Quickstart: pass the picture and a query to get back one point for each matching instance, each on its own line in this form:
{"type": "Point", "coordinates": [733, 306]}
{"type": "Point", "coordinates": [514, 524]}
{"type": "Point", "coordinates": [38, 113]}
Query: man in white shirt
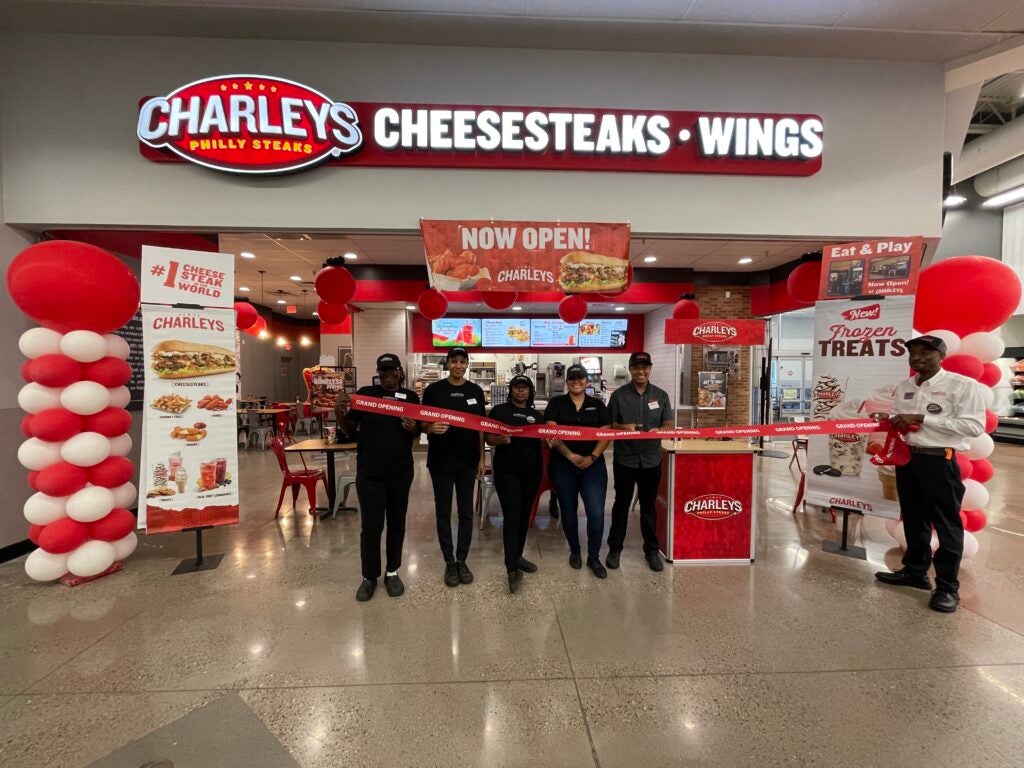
{"type": "Point", "coordinates": [949, 411]}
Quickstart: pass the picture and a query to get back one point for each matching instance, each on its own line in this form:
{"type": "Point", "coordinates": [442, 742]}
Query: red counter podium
{"type": "Point", "coordinates": [706, 507]}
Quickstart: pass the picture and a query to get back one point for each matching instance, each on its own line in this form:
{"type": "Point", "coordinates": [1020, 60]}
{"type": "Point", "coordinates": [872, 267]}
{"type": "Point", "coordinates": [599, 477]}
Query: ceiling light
{"type": "Point", "coordinates": [650, 259]}
{"type": "Point", "coordinates": [517, 309]}
{"type": "Point", "coordinates": [296, 278]}
{"type": "Point", "coordinates": [281, 341]}
{"type": "Point", "coordinates": [316, 314]}
{"type": "Point", "coordinates": [281, 301]}
{"type": "Point", "coordinates": [620, 309]}
{"type": "Point", "coordinates": [410, 306]}
{"type": "Point", "coordinates": [305, 341]}
{"type": "Point", "coordinates": [746, 260]}
{"type": "Point", "coordinates": [1012, 196]}
{"type": "Point", "coordinates": [350, 256]}
{"type": "Point", "coordinates": [264, 334]}
{"type": "Point", "coordinates": [243, 288]}
{"type": "Point", "coordinates": [953, 200]}
{"type": "Point", "coordinates": [247, 255]}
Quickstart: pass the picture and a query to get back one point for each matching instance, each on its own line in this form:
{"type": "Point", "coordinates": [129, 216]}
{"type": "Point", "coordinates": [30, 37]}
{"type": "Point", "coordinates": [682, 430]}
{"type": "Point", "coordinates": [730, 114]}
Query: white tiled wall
{"type": "Point", "coordinates": [374, 332]}
{"type": "Point", "coordinates": [663, 356]}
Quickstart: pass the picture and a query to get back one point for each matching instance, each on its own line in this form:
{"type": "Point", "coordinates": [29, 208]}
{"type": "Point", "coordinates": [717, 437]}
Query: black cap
{"type": "Point", "coordinates": [458, 352]}
{"type": "Point", "coordinates": [388, 361]}
{"type": "Point", "coordinates": [576, 371]}
{"type": "Point", "coordinates": [932, 342]}
{"type": "Point", "coordinates": [639, 358]}
{"type": "Point", "coordinates": [520, 380]}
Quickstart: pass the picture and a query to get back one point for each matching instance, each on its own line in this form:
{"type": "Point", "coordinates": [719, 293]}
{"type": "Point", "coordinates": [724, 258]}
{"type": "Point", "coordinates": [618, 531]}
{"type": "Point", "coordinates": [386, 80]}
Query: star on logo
{"type": "Point", "coordinates": [263, 87]}
{"type": "Point", "coordinates": [273, 89]}
{"type": "Point", "coordinates": [248, 86]}
{"type": "Point", "coordinates": [223, 87]}
{"type": "Point", "coordinates": [234, 86]}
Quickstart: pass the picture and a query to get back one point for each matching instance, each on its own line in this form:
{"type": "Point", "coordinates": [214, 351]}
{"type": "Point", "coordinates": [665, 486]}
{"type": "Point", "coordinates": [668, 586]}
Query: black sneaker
{"type": "Point", "coordinates": [903, 578]}
{"type": "Point", "coordinates": [946, 602]}
{"type": "Point", "coordinates": [526, 566]}
{"type": "Point", "coordinates": [515, 580]}
{"type": "Point", "coordinates": [594, 564]}
{"type": "Point", "coordinates": [366, 589]}
{"type": "Point", "coordinates": [612, 561]}
{"type": "Point", "coordinates": [465, 575]}
{"type": "Point", "coordinates": [451, 575]}
{"type": "Point", "coordinates": [575, 560]}
{"type": "Point", "coordinates": [394, 585]}
{"type": "Point", "coordinates": [654, 561]}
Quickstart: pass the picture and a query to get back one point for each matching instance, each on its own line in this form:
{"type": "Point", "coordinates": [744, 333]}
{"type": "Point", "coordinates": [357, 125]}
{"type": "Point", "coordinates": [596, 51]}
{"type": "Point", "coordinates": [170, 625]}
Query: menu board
{"type": "Point", "coordinates": [456, 332]}
{"type": "Point", "coordinates": [603, 333]}
{"type": "Point", "coordinates": [712, 390]}
{"type": "Point", "coordinates": [553, 333]}
{"type": "Point", "coordinates": [503, 332]}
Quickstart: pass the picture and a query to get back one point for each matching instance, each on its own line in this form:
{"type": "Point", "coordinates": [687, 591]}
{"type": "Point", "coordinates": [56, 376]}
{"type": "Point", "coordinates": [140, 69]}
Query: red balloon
{"type": "Point", "coordinates": [110, 422]}
{"type": "Point", "coordinates": [966, 294]}
{"type": "Point", "coordinates": [686, 309]}
{"type": "Point", "coordinates": [109, 371]}
{"type": "Point", "coordinates": [256, 328]}
{"type": "Point", "coordinates": [991, 375]}
{"type": "Point", "coordinates": [965, 365]}
{"type": "Point", "coordinates": [966, 467]}
{"type": "Point", "coordinates": [54, 370]}
{"type": "Point", "coordinates": [56, 424]}
{"type": "Point", "coordinates": [33, 533]}
{"type": "Point", "coordinates": [111, 472]}
{"type": "Point", "coordinates": [500, 299]}
{"type": "Point", "coordinates": [33, 477]}
{"type": "Point", "coordinates": [70, 286]}
{"type": "Point", "coordinates": [432, 304]}
{"type": "Point", "coordinates": [991, 422]}
{"type": "Point", "coordinates": [118, 524]}
{"type": "Point", "coordinates": [332, 314]}
{"type": "Point", "coordinates": [61, 479]}
{"type": "Point", "coordinates": [245, 315]}
{"type": "Point", "coordinates": [803, 283]}
{"type": "Point", "coordinates": [26, 426]}
{"type": "Point", "coordinates": [62, 536]}
{"type": "Point", "coordinates": [974, 520]}
{"type": "Point", "coordinates": [335, 285]}
{"type": "Point", "coordinates": [572, 308]}
{"type": "Point", "coordinates": [25, 376]}
{"type": "Point", "coordinates": [982, 470]}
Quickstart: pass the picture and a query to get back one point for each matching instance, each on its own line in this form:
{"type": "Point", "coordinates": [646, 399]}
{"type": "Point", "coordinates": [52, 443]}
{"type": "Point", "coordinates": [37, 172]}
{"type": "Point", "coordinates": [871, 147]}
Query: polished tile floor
{"type": "Point", "coordinates": [798, 660]}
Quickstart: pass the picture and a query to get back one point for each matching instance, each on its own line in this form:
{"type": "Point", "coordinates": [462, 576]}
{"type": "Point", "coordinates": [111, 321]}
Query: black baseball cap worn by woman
{"type": "Point", "coordinates": [523, 381]}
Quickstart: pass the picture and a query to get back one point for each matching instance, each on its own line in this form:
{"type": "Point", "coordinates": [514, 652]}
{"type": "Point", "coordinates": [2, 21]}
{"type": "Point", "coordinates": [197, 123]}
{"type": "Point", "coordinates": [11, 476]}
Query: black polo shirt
{"type": "Point", "coordinates": [384, 446]}
{"type": "Point", "coordinates": [647, 411]}
{"type": "Point", "coordinates": [522, 456]}
{"type": "Point", "coordinates": [592, 413]}
{"type": "Point", "coordinates": [457, 449]}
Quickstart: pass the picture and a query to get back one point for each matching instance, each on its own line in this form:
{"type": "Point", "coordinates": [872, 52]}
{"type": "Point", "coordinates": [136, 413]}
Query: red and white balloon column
{"type": "Point", "coordinates": [75, 396]}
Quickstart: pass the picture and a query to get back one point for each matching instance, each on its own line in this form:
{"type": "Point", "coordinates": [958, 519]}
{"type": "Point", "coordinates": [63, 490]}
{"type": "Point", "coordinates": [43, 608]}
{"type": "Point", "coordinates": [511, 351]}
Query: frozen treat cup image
{"type": "Point", "coordinates": [846, 450]}
{"type": "Point", "coordinates": [888, 477]}
{"type": "Point", "coordinates": [826, 395]}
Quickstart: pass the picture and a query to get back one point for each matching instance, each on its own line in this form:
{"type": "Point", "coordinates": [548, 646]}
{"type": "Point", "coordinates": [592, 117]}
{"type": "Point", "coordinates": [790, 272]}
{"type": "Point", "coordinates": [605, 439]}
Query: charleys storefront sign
{"type": "Point", "coordinates": [259, 124]}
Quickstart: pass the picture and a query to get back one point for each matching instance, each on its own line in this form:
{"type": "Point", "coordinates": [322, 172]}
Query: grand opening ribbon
{"type": "Point", "coordinates": [394, 407]}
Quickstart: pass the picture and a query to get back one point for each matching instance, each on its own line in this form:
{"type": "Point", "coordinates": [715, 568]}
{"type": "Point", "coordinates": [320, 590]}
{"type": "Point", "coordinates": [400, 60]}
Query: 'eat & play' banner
{"type": "Point", "coordinates": [571, 257]}
{"type": "Point", "coordinates": [743, 332]}
{"type": "Point", "coordinates": [871, 268]}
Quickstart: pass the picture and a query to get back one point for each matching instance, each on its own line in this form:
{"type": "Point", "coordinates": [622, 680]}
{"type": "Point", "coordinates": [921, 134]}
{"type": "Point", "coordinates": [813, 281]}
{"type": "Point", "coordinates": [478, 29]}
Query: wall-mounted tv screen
{"type": "Point", "coordinates": [456, 332]}
{"type": "Point", "coordinates": [550, 332]}
{"type": "Point", "coordinates": [603, 333]}
{"type": "Point", "coordinates": [506, 332]}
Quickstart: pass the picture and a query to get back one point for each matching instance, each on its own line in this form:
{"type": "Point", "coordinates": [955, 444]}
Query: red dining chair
{"type": "Point", "coordinates": [294, 478]}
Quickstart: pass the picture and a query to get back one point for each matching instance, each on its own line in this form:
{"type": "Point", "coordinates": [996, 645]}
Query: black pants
{"type": "Point", "coordinates": [463, 481]}
{"type": "Point", "coordinates": [646, 482]}
{"type": "Point", "coordinates": [930, 493]}
{"type": "Point", "coordinates": [380, 500]}
{"type": "Point", "coordinates": [516, 493]}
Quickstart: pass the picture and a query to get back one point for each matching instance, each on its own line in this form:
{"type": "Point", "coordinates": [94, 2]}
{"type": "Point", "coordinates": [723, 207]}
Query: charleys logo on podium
{"type": "Point", "coordinates": [249, 124]}
{"type": "Point", "coordinates": [713, 506]}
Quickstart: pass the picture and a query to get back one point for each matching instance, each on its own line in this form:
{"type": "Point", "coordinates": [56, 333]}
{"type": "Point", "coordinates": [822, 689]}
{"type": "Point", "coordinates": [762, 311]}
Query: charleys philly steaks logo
{"type": "Point", "coordinates": [715, 333]}
{"type": "Point", "coordinates": [250, 124]}
{"type": "Point", "coordinates": [713, 506]}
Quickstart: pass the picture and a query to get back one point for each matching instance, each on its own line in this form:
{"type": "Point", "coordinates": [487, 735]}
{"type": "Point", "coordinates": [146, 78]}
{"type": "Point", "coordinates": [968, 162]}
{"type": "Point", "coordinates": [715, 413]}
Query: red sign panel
{"type": "Point", "coordinates": [264, 124]}
{"type": "Point", "coordinates": [712, 498]}
{"type": "Point", "coordinates": [571, 257]}
{"type": "Point", "coordinates": [871, 268]}
{"type": "Point", "coordinates": [738, 332]}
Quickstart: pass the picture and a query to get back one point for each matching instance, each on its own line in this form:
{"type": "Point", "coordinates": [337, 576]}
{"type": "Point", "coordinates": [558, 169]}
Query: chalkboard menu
{"type": "Point", "coordinates": [132, 333]}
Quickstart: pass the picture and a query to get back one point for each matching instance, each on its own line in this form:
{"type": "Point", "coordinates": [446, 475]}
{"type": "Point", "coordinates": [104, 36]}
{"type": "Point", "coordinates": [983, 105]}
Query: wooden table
{"type": "Point", "coordinates": [318, 445]}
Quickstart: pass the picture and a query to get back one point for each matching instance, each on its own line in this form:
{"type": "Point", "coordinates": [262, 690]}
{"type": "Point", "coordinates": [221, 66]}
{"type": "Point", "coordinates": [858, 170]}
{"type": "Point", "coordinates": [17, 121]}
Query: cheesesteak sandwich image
{"type": "Point", "coordinates": [185, 359]}
{"type": "Point", "coordinates": [581, 271]}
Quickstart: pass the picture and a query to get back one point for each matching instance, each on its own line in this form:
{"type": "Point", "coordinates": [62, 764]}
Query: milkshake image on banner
{"type": "Point", "coordinates": [846, 449]}
{"type": "Point", "coordinates": [828, 392]}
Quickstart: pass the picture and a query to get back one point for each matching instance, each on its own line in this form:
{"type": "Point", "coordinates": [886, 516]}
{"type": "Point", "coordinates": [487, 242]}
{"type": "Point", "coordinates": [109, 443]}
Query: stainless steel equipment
{"type": "Point", "coordinates": [554, 380]}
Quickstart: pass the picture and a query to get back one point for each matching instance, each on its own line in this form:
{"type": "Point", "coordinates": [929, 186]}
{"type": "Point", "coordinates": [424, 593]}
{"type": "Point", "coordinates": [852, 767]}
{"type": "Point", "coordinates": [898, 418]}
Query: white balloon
{"type": "Point", "coordinates": [976, 496]}
{"type": "Point", "coordinates": [981, 447]}
{"type": "Point", "coordinates": [39, 341]}
{"type": "Point", "coordinates": [90, 504]}
{"type": "Point", "coordinates": [84, 346]}
{"type": "Point", "coordinates": [92, 558]}
{"type": "Point", "coordinates": [85, 398]}
{"type": "Point", "coordinates": [117, 346]}
{"type": "Point", "coordinates": [952, 340]}
{"type": "Point", "coordinates": [45, 566]}
{"type": "Point", "coordinates": [38, 454]}
{"type": "Point", "coordinates": [124, 547]}
{"type": "Point", "coordinates": [86, 449]}
{"type": "Point", "coordinates": [970, 545]}
{"type": "Point", "coordinates": [119, 396]}
{"type": "Point", "coordinates": [983, 345]}
{"type": "Point", "coordinates": [988, 397]}
{"type": "Point", "coordinates": [124, 495]}
{"type": "Point", "coordinates": [121, 445]}
{"type": "Point", "coordinates": [41, 509]}
{"type": "Point", "coordinates": [33, 398]}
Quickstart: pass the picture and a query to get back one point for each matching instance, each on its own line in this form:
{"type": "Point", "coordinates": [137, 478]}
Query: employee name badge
{"type": "Point", "coordinates": [653, 406]}
{"type": "Point", "coordinates": [471, 401]}
{"type": "Point", "coordinates": [401, 395]}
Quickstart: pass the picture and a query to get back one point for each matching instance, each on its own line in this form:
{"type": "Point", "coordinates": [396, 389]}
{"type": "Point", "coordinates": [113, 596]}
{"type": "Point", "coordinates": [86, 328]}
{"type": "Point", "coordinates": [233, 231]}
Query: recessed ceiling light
{"type": "Point", "coordinates": [350, 256]}
{"type": "Point", "coordinates": [296, 278]}
{"type": "Point", "coordinates": [620, 309]}
{"type": "Point", "coordinates": [410, 306]}
{"type": "Point", "coordinates": [953, 200]}
{"type": "Point", "coordinates": [243, 288]}
{"type": "Point", "coordinates": [281, 301]}
{"type": "Point", "coordinates": [517, 309]}
{"type": "Point", "coordinates": [247, 255]}
{"type": "Point", "coordinates": [650, 259]}
{"type": "Point", "coordinates": [746, 260]}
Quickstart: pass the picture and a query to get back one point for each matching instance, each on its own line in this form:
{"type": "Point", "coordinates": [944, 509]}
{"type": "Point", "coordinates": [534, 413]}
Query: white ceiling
{"type": "Point", "coordinates": [912, 30]}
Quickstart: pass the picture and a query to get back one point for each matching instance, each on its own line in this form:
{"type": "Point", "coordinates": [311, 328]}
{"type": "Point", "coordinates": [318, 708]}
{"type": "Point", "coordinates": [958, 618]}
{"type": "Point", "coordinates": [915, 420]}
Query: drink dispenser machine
{"type": "Point", "coordinates": [555, 379]}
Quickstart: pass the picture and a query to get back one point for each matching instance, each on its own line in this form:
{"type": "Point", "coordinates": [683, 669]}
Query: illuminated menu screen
{"type": "Point", "coordinates": [553, 333]}
{"type": "Point", "coordinates": [603, 333]}
{"type": "Point", "coordinates": [456, 332]}
{"type": "Point", "coordinates": [504, 332]}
